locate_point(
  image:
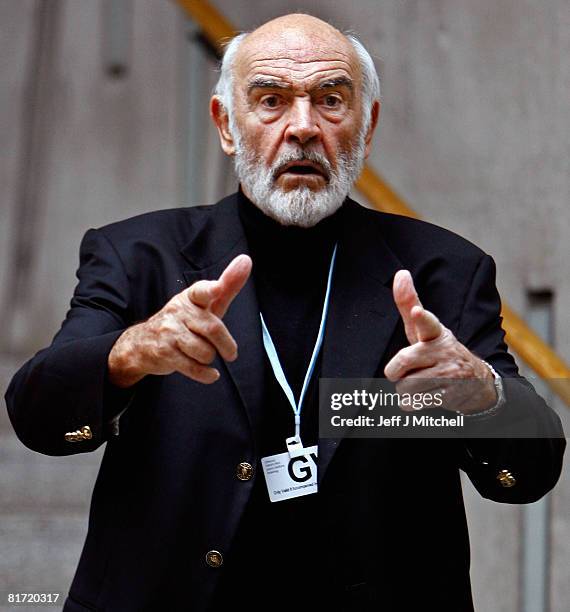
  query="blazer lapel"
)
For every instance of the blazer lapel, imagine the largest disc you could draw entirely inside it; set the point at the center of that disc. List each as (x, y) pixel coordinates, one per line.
(362, 313)
(217, 238)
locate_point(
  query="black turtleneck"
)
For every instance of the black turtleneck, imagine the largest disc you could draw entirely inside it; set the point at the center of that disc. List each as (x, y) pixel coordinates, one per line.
(290, 268)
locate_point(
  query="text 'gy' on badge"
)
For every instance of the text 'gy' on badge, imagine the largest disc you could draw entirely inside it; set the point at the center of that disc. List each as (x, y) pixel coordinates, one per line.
(288, 476)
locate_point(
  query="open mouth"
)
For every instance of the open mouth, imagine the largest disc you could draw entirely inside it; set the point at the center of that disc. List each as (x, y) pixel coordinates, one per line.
(303, 168)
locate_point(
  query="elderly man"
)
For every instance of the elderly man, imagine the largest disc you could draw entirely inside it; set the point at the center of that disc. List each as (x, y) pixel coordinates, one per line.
(200, 372)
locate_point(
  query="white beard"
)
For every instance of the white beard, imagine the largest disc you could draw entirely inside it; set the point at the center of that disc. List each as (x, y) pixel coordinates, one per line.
(300, 206)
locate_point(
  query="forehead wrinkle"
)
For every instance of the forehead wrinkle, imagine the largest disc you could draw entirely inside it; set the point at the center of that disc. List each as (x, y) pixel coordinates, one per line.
(299, 35)
(299, 53)
(295, 58)
(295, 65)
(308, 80)
(335, 56)
(308, 53)
(317, 79)
(294, 71)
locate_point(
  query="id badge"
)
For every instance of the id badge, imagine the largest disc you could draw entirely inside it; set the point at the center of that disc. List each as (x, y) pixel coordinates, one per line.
(289, 476)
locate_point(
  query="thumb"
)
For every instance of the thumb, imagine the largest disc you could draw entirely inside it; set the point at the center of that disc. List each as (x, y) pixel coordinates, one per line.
(427, 325)
(406, 299)
(230, 283)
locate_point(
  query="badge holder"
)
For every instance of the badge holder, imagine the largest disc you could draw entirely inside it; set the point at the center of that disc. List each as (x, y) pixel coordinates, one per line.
(295, 446)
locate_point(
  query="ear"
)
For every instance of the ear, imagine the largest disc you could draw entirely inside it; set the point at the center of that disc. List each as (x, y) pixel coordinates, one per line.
(374, 116)
(220, 118)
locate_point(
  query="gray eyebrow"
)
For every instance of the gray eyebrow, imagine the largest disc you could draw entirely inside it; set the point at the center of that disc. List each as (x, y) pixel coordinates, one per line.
(263, 83)
(338, 82)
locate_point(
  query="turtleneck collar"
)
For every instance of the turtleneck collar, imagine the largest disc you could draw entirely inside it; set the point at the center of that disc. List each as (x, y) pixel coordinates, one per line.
(273, 243)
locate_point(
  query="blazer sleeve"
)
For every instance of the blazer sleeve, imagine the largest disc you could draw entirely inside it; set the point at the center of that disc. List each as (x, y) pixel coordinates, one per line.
(64, 387)
(534, 462)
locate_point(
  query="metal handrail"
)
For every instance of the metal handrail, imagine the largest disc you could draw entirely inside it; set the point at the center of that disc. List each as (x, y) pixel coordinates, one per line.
(522, 339)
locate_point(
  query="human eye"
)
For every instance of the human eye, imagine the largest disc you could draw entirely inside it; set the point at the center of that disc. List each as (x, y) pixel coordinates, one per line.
(332, 101)
(271, 101)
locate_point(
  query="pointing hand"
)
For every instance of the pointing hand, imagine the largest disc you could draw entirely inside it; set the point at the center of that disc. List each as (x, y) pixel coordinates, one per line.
(185, 335)
(434, 353)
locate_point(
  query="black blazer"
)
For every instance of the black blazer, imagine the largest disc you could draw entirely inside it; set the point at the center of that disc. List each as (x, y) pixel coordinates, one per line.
(393, 523)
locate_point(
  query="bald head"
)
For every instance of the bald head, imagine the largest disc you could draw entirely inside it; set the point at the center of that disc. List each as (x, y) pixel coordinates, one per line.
(298, 21)
(303, 35)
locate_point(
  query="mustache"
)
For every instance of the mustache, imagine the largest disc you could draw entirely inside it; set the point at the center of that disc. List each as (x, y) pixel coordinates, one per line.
(301, 156)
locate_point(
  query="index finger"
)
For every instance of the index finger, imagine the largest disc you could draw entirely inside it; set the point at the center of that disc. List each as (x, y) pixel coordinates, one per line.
(217, 295)
(427, 325)
(203, 292)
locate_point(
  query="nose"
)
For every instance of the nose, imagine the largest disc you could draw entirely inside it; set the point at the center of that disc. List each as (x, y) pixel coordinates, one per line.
(303, 126)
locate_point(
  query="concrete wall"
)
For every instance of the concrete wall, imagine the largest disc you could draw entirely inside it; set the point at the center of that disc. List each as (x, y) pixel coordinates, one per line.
(80, 148)
(473, 134)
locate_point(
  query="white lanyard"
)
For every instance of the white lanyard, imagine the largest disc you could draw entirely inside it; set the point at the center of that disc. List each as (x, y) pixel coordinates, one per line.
(276, 364)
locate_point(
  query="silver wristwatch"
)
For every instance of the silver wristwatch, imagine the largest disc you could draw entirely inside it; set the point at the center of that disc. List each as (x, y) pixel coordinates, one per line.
(499, 388)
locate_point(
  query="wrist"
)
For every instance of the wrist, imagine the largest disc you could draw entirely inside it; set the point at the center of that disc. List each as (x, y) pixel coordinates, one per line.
(122, 369)
(498, 394)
